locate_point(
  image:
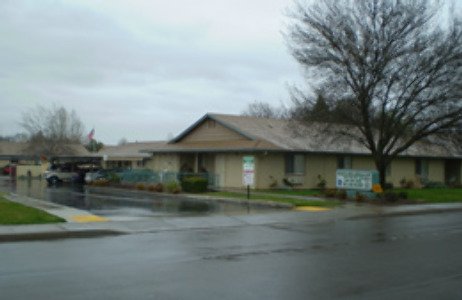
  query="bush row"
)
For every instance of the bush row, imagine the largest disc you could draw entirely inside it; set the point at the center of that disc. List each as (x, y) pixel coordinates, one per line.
(191, 184)
(387, 196)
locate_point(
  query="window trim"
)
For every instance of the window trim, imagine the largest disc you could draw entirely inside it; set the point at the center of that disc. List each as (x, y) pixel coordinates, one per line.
(290, 166)
(344, 162)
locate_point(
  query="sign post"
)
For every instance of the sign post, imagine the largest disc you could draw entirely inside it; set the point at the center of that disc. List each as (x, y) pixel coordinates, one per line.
(248, 172)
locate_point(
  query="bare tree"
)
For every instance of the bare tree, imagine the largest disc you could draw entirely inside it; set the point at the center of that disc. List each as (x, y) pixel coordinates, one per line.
(392, 62)
(52, 131)
(264, 110)
(122, 141)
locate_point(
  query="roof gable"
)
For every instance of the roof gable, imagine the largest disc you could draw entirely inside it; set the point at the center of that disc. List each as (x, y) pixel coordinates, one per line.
(209, 128)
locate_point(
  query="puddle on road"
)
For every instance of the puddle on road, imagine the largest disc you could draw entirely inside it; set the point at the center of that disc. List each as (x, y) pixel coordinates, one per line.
(123, 204)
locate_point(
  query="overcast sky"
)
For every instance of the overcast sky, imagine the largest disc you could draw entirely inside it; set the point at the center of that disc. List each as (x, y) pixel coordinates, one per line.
(142, 70)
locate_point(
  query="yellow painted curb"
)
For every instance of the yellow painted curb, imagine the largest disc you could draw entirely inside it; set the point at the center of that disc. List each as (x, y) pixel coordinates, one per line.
(88, 218)
(311, 208)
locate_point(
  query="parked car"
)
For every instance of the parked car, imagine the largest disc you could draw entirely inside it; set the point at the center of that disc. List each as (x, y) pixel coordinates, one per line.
(60, 173)
(93, 176)
(6, 170)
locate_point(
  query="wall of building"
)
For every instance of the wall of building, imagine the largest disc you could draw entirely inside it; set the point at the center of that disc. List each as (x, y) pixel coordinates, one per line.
(320, 165)
(4, 162)
(269, 169)
(362, 163)
(164, 162)
(404, 168)
(35, 170)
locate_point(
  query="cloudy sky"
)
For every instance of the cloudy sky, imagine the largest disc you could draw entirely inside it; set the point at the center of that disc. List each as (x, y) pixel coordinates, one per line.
(142, 70)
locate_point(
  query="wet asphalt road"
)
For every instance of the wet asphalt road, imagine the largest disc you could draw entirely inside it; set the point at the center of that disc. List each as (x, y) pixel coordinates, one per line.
(406, 257)
(119, 204)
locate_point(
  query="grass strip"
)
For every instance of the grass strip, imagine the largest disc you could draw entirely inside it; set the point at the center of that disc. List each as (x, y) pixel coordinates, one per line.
(276, 198)
(12, 213)
(297, 192)
(436, 195)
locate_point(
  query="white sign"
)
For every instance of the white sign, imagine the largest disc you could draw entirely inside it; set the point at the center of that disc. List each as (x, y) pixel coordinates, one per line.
(354, 179)
(248, 170)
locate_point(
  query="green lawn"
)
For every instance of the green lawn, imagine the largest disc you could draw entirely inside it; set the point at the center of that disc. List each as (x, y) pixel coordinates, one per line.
(276, 197)
(12, 213)
(441, 195)
(300, 192)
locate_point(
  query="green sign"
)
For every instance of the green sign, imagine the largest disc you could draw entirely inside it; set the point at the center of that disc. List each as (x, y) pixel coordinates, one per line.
(248, 170)
(356, 179)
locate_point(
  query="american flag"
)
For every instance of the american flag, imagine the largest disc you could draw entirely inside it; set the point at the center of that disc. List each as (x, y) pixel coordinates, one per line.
(91, 134)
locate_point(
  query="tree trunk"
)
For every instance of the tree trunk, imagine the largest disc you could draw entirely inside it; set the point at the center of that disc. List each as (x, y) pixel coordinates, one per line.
(381, 166)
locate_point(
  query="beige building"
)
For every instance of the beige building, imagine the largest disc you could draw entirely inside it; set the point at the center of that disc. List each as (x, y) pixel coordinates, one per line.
(126, 156)
(282, 153)
(30, 165)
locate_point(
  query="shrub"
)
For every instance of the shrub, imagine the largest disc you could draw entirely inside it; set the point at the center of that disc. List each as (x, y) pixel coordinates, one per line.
(342, 194)
(113, 178)
(173, 187)
(410, 184)
(360, 197)
(393, 197)
(273, 182)
(434, 185)
(402, 195)
(126, 185)
(406, 184)
(100, 182)
(388, 186)
(403, 182)
(390, 197)
(140, 186)
(321, 182)
(330, 193)
(194, 184)
(159, 188)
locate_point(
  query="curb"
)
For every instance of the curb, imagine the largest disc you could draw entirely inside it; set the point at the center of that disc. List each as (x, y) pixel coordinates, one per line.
(425, 211)
(56, 235)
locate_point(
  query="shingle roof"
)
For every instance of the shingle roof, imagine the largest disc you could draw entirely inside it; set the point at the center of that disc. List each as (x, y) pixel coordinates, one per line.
(264, 134)
(11, 148)
(130, 150)
(8, 148)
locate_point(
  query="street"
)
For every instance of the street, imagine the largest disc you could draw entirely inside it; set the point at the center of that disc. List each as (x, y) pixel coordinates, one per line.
(405, 257)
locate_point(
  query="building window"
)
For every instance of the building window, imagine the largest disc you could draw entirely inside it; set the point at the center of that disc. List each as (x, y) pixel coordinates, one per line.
(421, 168)
(295, 163)
(344, 162)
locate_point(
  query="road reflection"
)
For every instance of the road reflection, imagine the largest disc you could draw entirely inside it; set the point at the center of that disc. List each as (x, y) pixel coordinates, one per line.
(122, 203)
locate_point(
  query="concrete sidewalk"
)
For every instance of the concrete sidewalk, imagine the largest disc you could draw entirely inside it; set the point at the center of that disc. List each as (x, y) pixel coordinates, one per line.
(81, 223)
